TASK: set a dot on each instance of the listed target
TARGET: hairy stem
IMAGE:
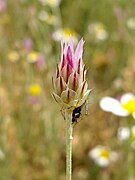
(69, 132)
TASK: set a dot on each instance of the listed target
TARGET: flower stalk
(69, 138)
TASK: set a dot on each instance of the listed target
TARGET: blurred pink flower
(70, 85)
(119, 12)
(27, 44)
(33, 100)
(3, 6)
(40, 61)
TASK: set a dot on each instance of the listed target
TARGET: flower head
(102, 155)
(123, 107)
(69, 84)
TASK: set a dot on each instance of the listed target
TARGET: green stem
(69, 132)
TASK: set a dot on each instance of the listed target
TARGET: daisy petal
(103, 162)
(110, 104)
(126, 97)
(119, 111)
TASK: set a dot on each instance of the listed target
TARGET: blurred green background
(32, 130)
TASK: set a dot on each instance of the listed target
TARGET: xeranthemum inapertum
(70, 88)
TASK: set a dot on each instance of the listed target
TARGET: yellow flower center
(67, 32)
(129, 106)
(34, 89)
(51, 19)
(104, 153)
(133, 135)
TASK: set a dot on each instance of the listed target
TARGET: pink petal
(69, 57)
(71, 44)
(79, 50)
(69, 70)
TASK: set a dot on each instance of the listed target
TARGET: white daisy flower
(131, 23)
(123, 133)
(102, 155)
(64, 34)
(126, 133)
(123, 107)
(97, 30)
(48, 18)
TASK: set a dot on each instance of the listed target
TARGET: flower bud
(70, 88)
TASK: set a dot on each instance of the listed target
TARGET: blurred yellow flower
(51, 3)
(32, 56)
(34, 89)
(64, 34)
(13, 56)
